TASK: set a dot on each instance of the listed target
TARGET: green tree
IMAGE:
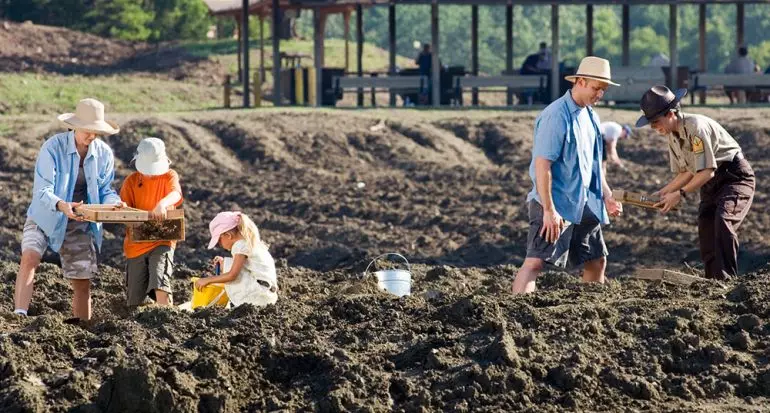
(123, 19)
(178, 20)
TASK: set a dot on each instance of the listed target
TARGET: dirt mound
(29, 47)
(331, 191)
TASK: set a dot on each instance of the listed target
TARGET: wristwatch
(683, 194)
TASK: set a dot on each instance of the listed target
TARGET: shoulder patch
(697, 145)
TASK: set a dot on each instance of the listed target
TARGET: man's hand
(159, 212)
(614, 208)
(68, 209)
(668, 201)
(553, 224)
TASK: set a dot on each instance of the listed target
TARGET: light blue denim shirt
(56, 172)
(560, 137)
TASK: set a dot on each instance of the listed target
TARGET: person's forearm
(223, 278)
(544, 181)
(606, 191)
(170, 199)
(678, 182)
(697, 181)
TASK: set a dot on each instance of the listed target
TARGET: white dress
(259, 267)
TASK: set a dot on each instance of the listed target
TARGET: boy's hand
(68, 209)
(159, 212)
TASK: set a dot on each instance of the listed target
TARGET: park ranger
(705, 157)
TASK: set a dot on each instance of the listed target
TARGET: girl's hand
(218, 260)
(202, 282)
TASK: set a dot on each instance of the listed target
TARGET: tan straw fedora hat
(593, 67)
(89, 115)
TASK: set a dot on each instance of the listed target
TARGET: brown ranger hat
(656, 102)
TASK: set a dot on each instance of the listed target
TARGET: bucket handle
(408, 267)
(216, 299)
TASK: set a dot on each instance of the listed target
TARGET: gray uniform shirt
(701, 143)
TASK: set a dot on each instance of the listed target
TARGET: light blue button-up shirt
(56, 172)
(568, 135)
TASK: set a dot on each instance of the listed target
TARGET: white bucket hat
(151, 158)
(593, 67)
(89, 115)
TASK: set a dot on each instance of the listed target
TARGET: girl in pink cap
(251, 277)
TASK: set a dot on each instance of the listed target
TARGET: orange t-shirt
(144, 192)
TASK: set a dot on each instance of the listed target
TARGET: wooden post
(475, 51)
(312, 86)
(672, 44)
(319, 20)
(435, 61)
(702, 46)
(228, 80)
(374, 92)
(555, 78)
(589, 30)
(360, 48)
(261, 50)
(245, 36)
(240, 43)
(392, 47)
(276, 53)
(740, 20)
(299, 86)
(346, 18)
(257, 89)
(508, 49)
(626, 23)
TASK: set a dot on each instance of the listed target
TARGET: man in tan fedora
(570, 199)
(72, 168)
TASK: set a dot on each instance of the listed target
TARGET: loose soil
(330, 193)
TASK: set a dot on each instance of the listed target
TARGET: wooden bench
(390, 83)
(706, 81)
(634, 81)
(512, 83)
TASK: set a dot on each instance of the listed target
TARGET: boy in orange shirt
(155, 188)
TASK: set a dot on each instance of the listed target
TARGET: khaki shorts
(149, 272)
(577, 244)
(77, 253)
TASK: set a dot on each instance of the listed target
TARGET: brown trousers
(725, 201)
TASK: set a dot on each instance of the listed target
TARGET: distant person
(154, 187)
(659, 60)
(544, 57)
(251, 278)
(741, 65)
(705, 159)
(612, 132)
(72, 168)
(424, 60)
(570, 199)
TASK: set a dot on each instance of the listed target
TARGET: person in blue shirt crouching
(570, 199)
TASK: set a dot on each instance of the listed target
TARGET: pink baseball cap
(223, 222)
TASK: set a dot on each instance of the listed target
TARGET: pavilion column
(740, 21)
(589, 30)
(245, 36)
(360, 48)
(276, 53)
(702, 46)
(672, 44)
(435, 65)
(346, 18)
(392, 47)
(555, 52)
(475, 51)
(626, 34)
(509, 48)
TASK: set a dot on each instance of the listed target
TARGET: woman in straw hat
(72, 168)
(570, 199)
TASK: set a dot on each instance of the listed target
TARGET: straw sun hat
(89, 116)
(592, 67)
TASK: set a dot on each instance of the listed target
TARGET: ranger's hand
(553, 224)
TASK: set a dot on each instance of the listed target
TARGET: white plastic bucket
(397, 282)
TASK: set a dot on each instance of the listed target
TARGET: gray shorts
(578, 243)
(149, 272)
(77, 253)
